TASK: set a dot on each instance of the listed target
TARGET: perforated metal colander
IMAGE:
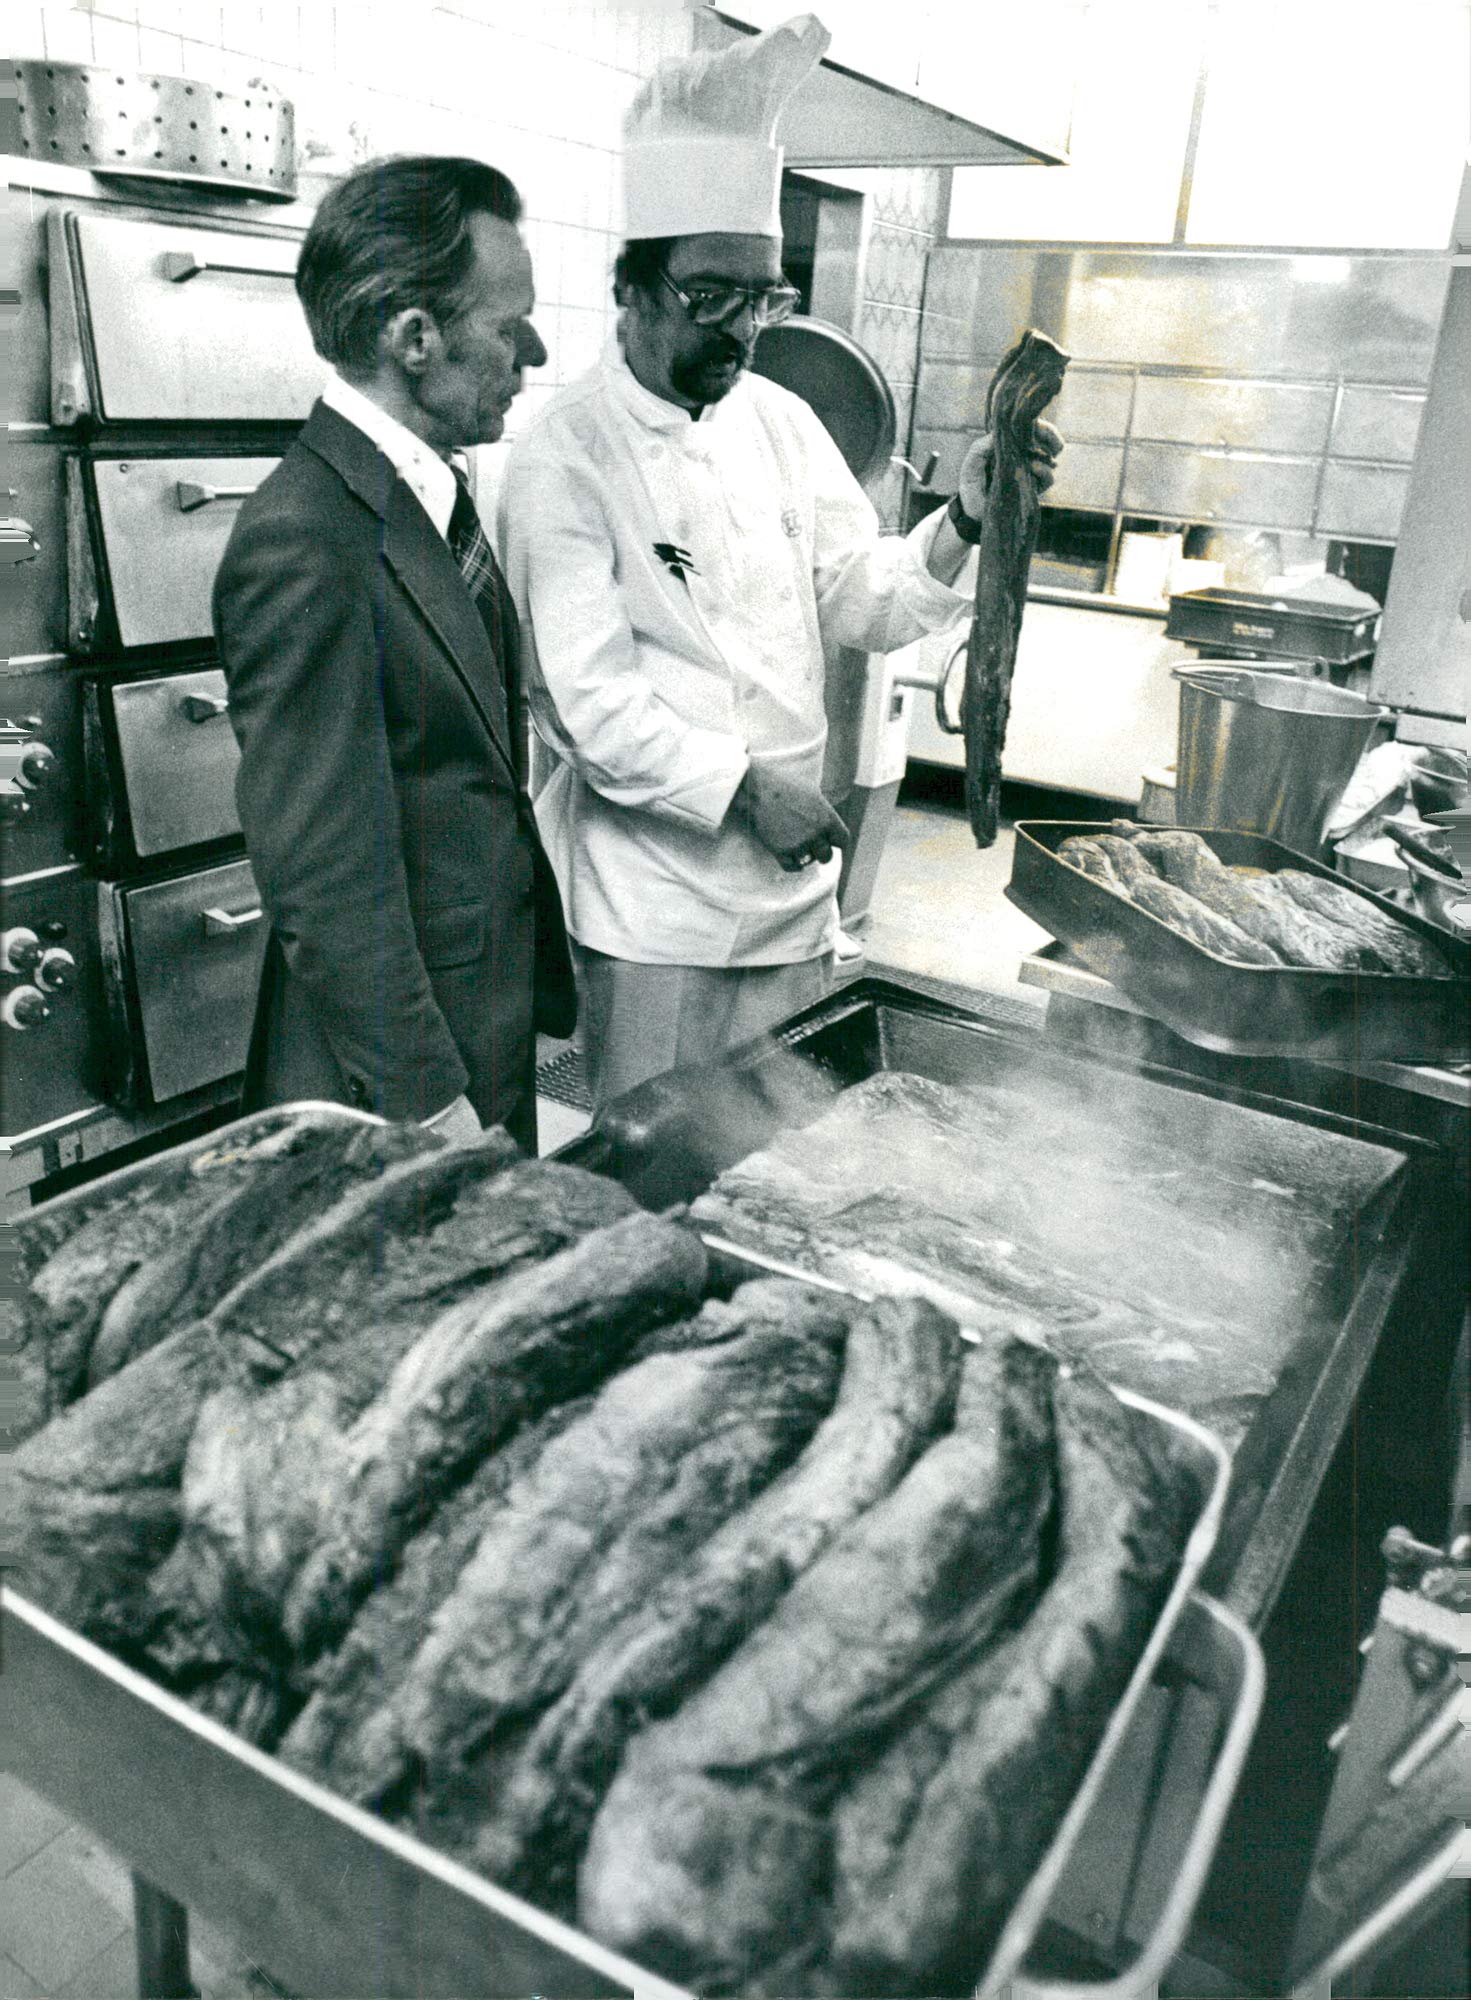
(164, 128)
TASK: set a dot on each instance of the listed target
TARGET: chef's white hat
(700, 153)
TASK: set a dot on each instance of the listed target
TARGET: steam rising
(1190, 1248)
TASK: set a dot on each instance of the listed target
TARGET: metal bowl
(1435, 895)
(841, 381)
(164, 128)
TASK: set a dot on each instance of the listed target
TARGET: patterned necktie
(482, 574)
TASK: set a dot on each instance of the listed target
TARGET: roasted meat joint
(763, 1634)
(735, 1002)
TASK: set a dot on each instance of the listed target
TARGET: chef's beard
(700, 377)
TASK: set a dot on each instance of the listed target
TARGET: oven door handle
(229, 923)
(178, 266)
(191, 495)
(204, 707)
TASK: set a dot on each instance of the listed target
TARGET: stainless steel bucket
(1267, 753)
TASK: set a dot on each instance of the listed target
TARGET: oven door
(161, 763)
(156, 322)
(147, 538)
(183, 961)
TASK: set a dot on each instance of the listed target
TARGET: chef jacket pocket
(454, 935)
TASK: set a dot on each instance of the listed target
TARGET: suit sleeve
(299, 625)
(588, 699)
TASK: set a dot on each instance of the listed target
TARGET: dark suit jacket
(381, 795)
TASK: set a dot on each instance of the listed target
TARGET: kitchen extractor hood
(841, 118)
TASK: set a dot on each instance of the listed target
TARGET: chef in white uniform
(687, 546)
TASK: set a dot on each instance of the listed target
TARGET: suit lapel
(420, 558)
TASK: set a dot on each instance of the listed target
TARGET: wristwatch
(965, 525)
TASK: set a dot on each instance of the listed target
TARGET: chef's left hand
(975, 467)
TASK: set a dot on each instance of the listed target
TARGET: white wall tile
(114, 42)
(543, 240)
(240, 27)
(316, 36)
(586, 267)
(581, 342)
(598, 95)
(27, 32)
(629, 38)
(198, 18)
(600, 34)
(160, 52)
(278, 39)
(510, 14)
(68, 35)
(202, 21)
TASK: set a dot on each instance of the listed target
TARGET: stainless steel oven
(162, 365)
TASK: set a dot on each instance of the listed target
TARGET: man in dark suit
(368, 642)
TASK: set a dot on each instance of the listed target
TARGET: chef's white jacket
(681, 583)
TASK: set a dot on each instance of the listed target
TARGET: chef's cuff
(703, 799)
(937, 603)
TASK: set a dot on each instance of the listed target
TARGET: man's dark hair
(393, 235)
(640, 262)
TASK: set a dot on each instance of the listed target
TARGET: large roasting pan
(668, 1141)
(1245, 1010)
(332, 1899)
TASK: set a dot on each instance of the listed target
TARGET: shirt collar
(654, 412)
(417, 464)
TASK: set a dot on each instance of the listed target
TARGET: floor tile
(105, 1873)
(27, 1822)
(16, 1983)
(557, 1124)
(112, 1975)
(55, 1921)
(939, 906)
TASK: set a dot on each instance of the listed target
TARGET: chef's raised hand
(975, 468)
(790, 818)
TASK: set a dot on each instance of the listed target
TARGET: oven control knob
(56, 972)
(24, 1007)
(37, 764)
(20, 950)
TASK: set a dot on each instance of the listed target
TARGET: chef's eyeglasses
(712, 305)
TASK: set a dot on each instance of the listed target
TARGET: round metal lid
(166, 128)
(841, 381)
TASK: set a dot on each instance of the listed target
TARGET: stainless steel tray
(668, 1140)
(1247, 1010)
(332, 1899)
(65, 1213)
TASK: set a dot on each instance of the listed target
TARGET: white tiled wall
(538, 88)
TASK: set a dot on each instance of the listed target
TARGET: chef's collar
(657, 413)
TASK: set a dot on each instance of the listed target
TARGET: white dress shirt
(417, 464)
(654, 689)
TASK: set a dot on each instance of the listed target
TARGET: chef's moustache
(725, 347)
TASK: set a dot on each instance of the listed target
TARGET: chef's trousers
(639, 1020)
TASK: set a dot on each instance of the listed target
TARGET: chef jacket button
(748, 694)
(357, 1090)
